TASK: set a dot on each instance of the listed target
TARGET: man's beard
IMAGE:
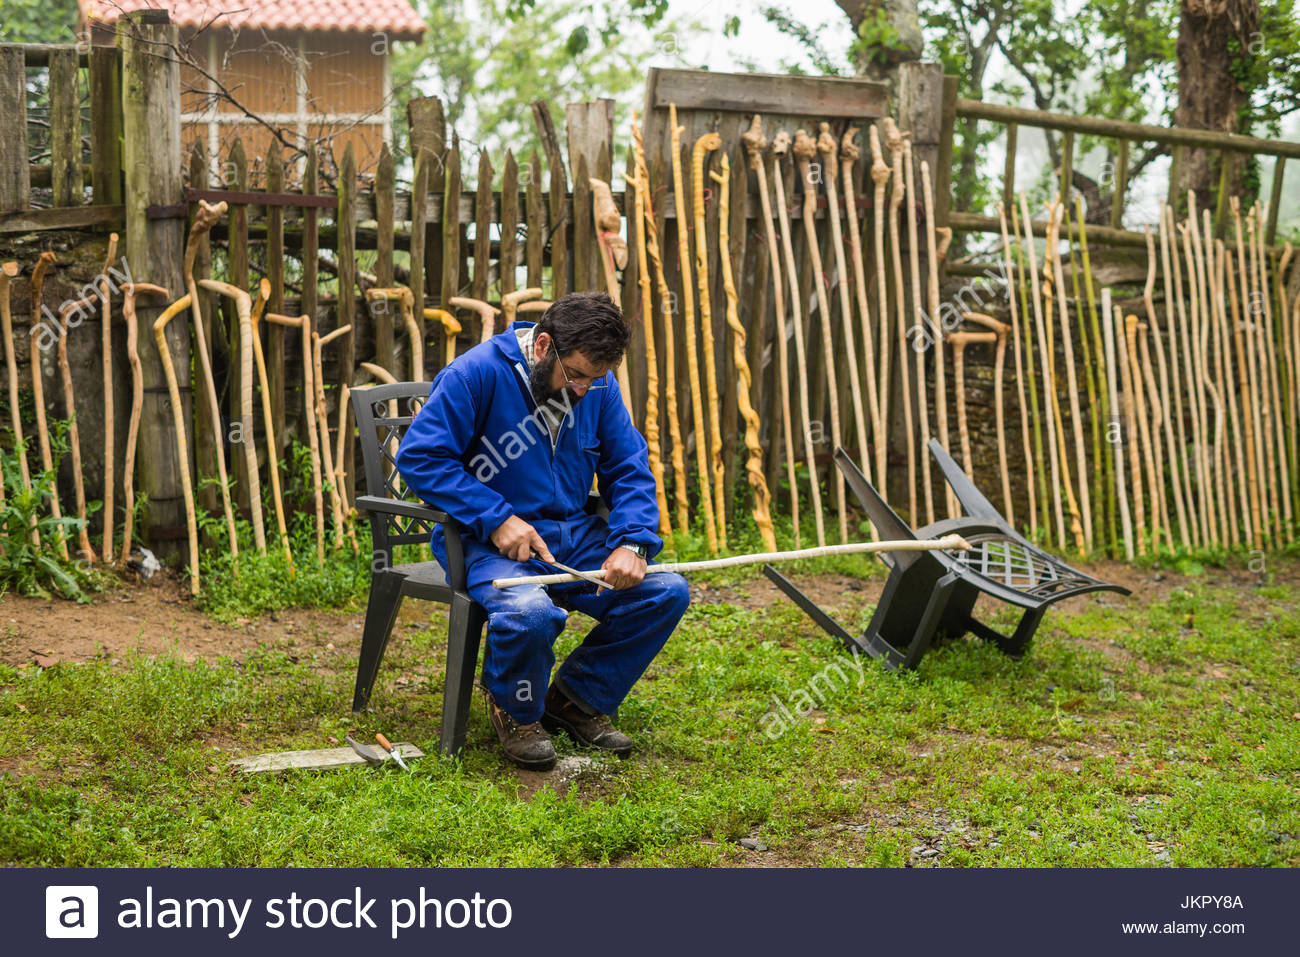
(539, 381)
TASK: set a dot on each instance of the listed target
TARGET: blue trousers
(523, 622)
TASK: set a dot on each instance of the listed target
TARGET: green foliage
(39, 21)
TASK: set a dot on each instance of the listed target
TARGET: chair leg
(381, 612)
(464, 633)
(929, 623)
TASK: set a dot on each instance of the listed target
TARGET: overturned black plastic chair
(932, 593)
(398, 517)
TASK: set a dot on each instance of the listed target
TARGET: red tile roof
(395, 18)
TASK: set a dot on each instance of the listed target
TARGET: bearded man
(507, 444)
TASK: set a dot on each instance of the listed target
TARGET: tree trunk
(1210, 97)
(878, 56)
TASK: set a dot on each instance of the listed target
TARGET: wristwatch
(636, 548)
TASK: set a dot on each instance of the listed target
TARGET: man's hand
(515, 538)
(624, 568)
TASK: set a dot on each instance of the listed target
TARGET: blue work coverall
(481, 451)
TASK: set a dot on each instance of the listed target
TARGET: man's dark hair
(588, 322)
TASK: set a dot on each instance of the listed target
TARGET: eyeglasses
(577, 383)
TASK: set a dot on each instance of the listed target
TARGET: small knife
(383, 743)
(585, 576)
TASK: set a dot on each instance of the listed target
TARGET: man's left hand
(624, 568)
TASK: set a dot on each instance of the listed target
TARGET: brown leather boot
(582, 725)
(527, 745)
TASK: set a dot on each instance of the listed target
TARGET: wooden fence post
(106, 125)
(275, 352)
(65, 127)
(15, 173)
(151, 128)
(347, 260)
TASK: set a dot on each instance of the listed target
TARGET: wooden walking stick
(1200, 427)
(178, 420)
(879, 177)
(1238, 496)
(935, 257)
(1113, 375)
(1127, 327)
(1007, 268)
(486, 312)
(922, 334)
(1072, 383)
(706, 144)
(1045, 364)
(243, 309)
(204, 220)
(959, 340)
(755, 142)
(613, 255)
(1133, 328)
(9, 271)
(39, 331)
(1204, 318)
(898, 190)
(1156, 415)
(828, 151)
(754, 464)
(1178, 371)
(511, 301)
(303, 325)
(1050, 289)
(268, 423)
(1000, 331)
(450, 329)
(318, 343)
(640, 183)
(1286, 517)
(804, 150)
(1251, 395)
(1161, 396)
(1249, 477)
(670, 348)
(80, 307)
(1038, 474)
(405, 300)
(780, 146)
(129, 292)
(110, 452)
(688, 312)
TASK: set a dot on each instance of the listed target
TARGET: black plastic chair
(398, 517)
(932, 593)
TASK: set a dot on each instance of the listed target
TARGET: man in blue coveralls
(507, 444)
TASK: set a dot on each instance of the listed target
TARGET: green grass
(1132, 735)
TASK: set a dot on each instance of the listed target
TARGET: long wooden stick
(303, 325)
(1105, 503)
(1254, 399)
(9, 271)
(204, 220)
(754, 463)
(1126, 340)
(1237, 496)
(959, 340)
(755, 143)
(110, 451)
(1174, 303)
(1200, 416)
(1045, 364)
(898, 190)
(688, 322)
(780, 146)
(613, 254)
(1008, 269)
(1279, 427)
(129, 292)
(1113, 374)
(178, 420)
(1049, 289)
(828, 151)
(706, 144)
(879, 177)
(933, 259)
(74, 437)
(37, 331)
(1246, 444)
(640, 182)
(405, 300)
(1024, 280)
(946, 543)
(1175, 476)
(677, 454)
(1141, 446)
(318, 343)
(1210, 337)
(1201, 311)
(1000, 332)
(243, 309)
(922, 335)
(1156, 459)
(1072, 383)
(268, 423)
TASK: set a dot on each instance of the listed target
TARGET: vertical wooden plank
(65, 127)
(105, 125)
(1066, 181)
(275, 353)
(1274, 201)
(347, 313)
(509, 224)
(482, 227)
(943, 169)
(15, 173)
(205, 440)
(236, 178)
(450, 279)
(536, 212)
(582, 229)
(559, 235)
(384, 179)
(428, 126)
(310, 252)
(1009, 170)
(419, 235)
(1121, 187)
(155, 247)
